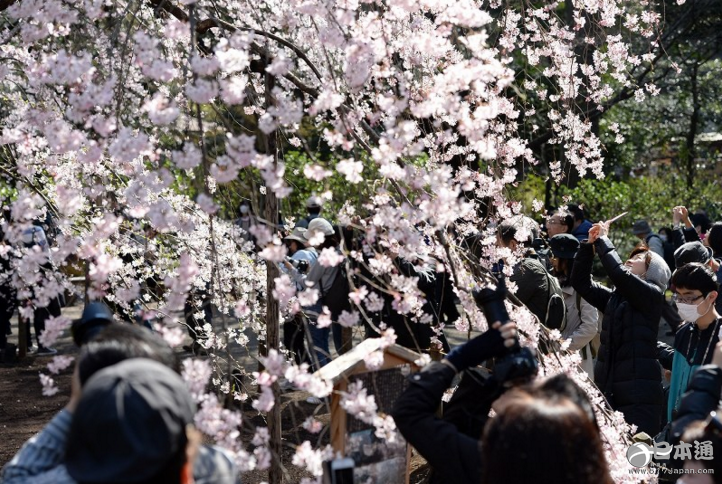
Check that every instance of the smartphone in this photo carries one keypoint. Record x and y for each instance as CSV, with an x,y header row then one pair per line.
x,y
341,471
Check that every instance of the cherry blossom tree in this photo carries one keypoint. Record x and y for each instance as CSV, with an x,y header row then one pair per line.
x,y
126,121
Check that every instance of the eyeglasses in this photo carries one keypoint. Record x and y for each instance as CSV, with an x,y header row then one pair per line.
x,y
555,222
686,300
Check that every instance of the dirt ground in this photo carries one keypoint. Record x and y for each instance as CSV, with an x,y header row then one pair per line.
x,y
23,408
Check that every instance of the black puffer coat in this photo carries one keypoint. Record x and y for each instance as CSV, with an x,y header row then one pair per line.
x,y
627,370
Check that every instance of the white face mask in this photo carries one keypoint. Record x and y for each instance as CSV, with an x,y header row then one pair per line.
x,y
663,237
244,209
688,312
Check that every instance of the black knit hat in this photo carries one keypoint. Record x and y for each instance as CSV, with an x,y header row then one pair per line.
x,y
692,252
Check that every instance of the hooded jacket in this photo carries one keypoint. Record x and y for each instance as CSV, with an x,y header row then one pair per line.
x,y
627,371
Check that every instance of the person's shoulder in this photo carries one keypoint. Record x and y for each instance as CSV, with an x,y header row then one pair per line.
x,y
306,255
533,264
681,335
214,465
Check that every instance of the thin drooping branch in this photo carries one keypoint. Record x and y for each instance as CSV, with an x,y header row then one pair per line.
x,y
214,22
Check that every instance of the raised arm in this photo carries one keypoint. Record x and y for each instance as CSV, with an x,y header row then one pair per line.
x,y
415,416
641,294
680,216
415,410
581,277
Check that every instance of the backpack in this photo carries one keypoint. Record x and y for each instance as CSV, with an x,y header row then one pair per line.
x,y
556,314
668,251
336,298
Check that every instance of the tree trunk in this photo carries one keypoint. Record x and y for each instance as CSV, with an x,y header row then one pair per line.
x,y
690,152
275,473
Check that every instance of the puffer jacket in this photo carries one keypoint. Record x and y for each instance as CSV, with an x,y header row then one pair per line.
x,y
627,370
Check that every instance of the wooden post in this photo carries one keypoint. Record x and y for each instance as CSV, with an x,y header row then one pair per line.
x,y
339,419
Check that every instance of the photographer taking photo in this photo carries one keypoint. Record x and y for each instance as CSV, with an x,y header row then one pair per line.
x,y
542,433
297,264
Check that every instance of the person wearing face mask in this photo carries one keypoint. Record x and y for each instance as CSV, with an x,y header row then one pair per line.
x,y
696,292
246,221
627,370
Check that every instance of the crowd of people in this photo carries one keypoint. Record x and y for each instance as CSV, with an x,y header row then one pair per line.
x,y
546,431
667,392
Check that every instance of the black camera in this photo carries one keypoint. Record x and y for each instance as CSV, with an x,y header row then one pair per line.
x,y
519,363
300,265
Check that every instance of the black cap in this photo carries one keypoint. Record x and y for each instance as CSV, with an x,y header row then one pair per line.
x,y
96,316
564,246
129,424
692,252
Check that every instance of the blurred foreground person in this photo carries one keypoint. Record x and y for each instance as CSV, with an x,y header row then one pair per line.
x,y
102,429
708,468
698,419
133,423
545,433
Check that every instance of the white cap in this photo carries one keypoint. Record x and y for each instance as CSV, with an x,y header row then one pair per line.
x,y
319,225
314,201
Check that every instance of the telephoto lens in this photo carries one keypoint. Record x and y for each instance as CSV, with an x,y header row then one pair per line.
x,y
520,363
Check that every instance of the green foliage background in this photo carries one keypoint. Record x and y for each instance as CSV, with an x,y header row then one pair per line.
x,y
646,197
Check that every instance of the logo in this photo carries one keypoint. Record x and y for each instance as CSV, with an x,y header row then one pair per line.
x,y
640,454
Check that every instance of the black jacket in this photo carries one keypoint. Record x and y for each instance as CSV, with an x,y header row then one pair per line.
x,y
701,398
627,370
534,285
455,457
682,235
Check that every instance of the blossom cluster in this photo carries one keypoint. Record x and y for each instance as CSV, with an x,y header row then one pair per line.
x,y
127,125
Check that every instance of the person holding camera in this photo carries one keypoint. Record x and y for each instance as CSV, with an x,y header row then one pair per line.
x,y
297,263
627,370
543,433
332,285
300,256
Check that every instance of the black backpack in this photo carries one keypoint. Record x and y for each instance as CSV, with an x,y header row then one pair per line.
x,y
336,298
668,251
556,314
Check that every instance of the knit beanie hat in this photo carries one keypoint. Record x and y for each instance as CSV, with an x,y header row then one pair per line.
x,y
658,272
